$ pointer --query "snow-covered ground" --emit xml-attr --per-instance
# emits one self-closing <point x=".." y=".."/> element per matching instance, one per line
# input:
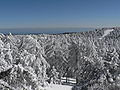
<point x="58" y="87"/>
<point x="67" y="86"/>
<point x="106" y="32"/>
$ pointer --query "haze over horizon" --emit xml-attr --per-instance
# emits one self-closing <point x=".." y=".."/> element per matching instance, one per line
<point x="59" y="14"/>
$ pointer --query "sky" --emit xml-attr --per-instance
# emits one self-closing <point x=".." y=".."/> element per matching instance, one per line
<point x="59" y="13"/>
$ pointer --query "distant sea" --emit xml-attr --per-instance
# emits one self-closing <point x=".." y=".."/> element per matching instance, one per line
<point x="43" y="30"/>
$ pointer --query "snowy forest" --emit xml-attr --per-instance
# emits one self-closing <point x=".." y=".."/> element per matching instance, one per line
<point x="33" y="62"/>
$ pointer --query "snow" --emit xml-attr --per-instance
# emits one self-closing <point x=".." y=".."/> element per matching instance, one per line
<point x="106" y="32"/>
<point x="58" y="87"/>
<point x="62" y="87"/>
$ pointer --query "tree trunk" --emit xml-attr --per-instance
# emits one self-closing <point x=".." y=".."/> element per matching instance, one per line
<point x="77" y="81"/>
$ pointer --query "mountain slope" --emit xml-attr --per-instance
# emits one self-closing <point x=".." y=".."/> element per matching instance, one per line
<point x="91" y="57"/>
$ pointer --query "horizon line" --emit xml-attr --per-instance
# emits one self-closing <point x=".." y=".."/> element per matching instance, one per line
<point x="57" y="27"/>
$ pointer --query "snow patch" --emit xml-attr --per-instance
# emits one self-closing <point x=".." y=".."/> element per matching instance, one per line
<point x="106" y="32"/>
<point x="58" y="87"/>
<point x="62" y="87"/>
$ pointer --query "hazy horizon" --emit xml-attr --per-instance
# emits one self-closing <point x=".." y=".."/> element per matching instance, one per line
<point x="43" y="30"/>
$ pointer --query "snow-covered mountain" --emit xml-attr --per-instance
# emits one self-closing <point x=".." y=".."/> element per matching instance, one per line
<point x="29" y="62"/>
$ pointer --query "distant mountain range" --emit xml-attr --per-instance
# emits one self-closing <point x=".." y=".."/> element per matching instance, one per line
<point x="42" y="30"/>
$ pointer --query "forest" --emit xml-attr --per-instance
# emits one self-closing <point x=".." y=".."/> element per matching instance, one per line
<point x="30" y="62"/>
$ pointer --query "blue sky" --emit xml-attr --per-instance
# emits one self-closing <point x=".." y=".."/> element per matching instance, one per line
<point x="59" y="13"/>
